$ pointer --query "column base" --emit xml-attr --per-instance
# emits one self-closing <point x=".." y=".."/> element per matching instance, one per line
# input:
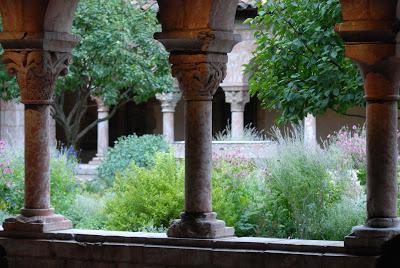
<point x="200" y="226"/>
<point x="38" y="224"/>
<point x="366" y="240"/>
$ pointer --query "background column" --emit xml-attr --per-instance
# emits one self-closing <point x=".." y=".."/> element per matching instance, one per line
<point x="168" y="102"/>
<point x="102" y="131"/>
<point x="237" y="97"/>
<point x="310" y="131"/>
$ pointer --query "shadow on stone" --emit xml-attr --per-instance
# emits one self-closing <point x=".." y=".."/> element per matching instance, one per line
<point x="3" y="258"/>
<point x="390" y="255"/>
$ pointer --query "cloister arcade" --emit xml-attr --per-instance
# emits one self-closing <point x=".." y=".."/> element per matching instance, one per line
<point x="198" y="35"/>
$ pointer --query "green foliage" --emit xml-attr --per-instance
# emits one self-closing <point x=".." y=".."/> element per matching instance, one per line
<point x="63" y="185"/>
<point x="299" y="66"/>
<point x="302" y="190"/>
<point x="132" y="148"/>
<point x="297" y="192"/>
<point x="147" y="197"/>
<point x="8" y="84"/>
<point x="117" y="57"/>
<point x="250" y="133"/>
<point x="88" y="211"/>
<point x="234" y="193"/>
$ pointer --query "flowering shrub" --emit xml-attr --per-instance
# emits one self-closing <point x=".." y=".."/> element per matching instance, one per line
<point x="63" y="185"/>
<point x="11" y="177"/>
<point x="353" y="144"/>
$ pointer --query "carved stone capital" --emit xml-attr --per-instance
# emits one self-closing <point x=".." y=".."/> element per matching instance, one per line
<point x="199" y="76"/>
<point x="37" y="71"/>
<point x="237" y="99"/>
<point x="101" y="106"/>
<point x="169" y="100"/>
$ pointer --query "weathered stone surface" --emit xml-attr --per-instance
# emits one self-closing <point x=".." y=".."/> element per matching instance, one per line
<point x="369" y="32"/>
<point x="12" y="123"/>
<point x="152" y="250"/>
<point x="37" y="49"/>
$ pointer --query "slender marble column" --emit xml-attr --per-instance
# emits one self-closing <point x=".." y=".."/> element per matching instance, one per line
<point x="102" y="131"/>
<point x="199" y="77"/>
<point x="310" y="131"/>
<point x="36" y="71"/>
<point x="237" y="97"/>
<point x="168" y="102"/>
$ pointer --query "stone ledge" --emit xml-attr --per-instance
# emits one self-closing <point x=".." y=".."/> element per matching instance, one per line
<point x="246" y="243"/>
<point x="73" y="248"/>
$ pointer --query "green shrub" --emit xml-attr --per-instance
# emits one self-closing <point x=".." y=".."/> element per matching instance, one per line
<point x="147" y="197"/>
<point x="88" y="211"/>
<point x="140" y="150"/>
<point x="234" y="193"/>
<point x="63" y="185"/>
<point x="302" y="187"/>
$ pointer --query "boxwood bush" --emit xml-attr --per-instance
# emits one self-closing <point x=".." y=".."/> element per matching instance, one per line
<point x="127" y="149"/>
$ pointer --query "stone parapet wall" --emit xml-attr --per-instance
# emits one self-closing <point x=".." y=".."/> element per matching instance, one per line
<point x="80" y="248"/>
<point x="226" y="149"/>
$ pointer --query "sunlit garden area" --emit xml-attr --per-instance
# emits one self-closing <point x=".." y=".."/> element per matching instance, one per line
<point x="292" y="189"/>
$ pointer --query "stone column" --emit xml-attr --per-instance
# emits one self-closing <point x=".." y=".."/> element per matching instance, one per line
<point x="168" y="103"/>
<point x="199" y="77"/>
<point x="198" y="38"/>
<point x="375" y="52"/>
<point x="237" y="97"/>
<point x="310" y="131"/>
<point x="36" y="71"/>
<point x="102" y="131"/>
<point x="37" y="49"/>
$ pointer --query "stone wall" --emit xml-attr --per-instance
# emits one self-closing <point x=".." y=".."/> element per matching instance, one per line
<point x="12" y="122"/>
<point x="95" y="249"/>
<point x="241" y="149"/>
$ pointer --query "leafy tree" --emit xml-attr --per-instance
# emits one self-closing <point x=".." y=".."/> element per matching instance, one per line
<point x="299" y="66"/>
<point x="117" y="59"/>
<point x="8" y="85"/>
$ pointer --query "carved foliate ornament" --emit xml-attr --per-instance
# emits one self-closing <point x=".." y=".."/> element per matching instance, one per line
<point x="237" y="99"/>
<point x="37" y="72"/>
<point x="199" y="80"/>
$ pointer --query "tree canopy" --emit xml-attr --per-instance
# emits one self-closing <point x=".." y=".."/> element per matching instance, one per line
<point x="299" y="66"/>
<point x="117" y="57"/>
<point x="117" y="60"/>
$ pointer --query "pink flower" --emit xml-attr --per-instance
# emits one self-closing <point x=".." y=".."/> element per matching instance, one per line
<point x="7" y="171"/>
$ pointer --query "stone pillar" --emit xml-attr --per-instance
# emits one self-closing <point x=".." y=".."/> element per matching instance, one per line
<point x="36" y="71"/>
<point x="37" y="49"/>
<point x="168" y="103"/>
<point x="102" y="131"/>
<point x="237" y="97"/>
<point x="374" y="49"/>
<point x="310" y="131"/>
<point x="198" y="37"/>
<point x="12" y="123"/>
